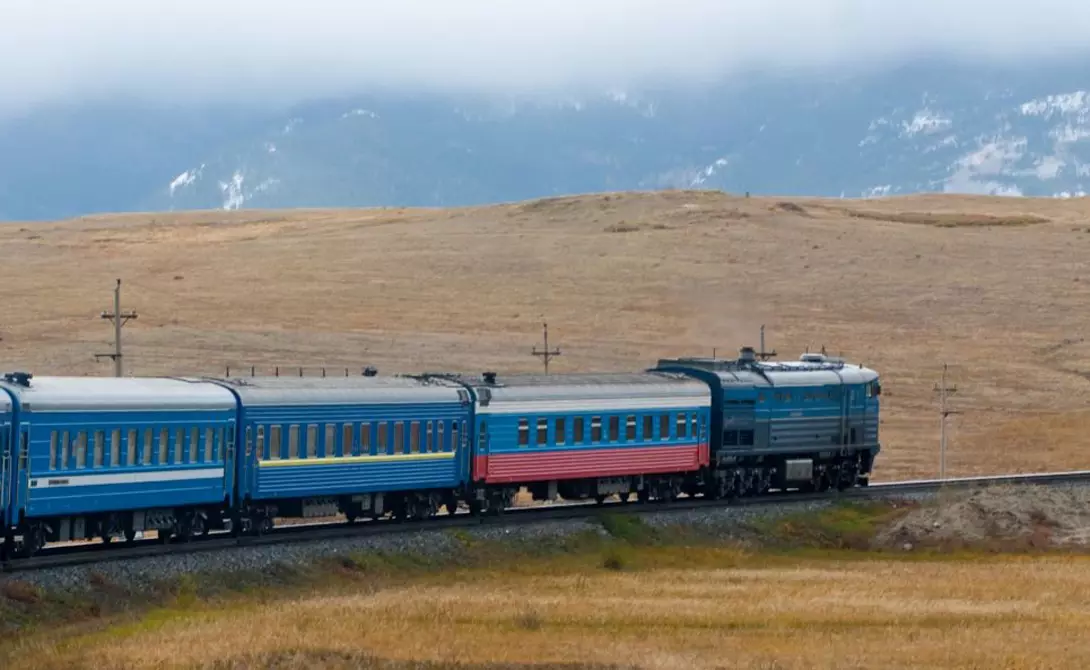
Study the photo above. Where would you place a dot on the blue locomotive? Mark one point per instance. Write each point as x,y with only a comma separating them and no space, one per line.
84,458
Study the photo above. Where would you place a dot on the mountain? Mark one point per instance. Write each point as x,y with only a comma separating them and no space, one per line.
929,126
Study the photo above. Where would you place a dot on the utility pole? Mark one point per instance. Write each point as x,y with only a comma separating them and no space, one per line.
762,354
943,391
119,320
546,354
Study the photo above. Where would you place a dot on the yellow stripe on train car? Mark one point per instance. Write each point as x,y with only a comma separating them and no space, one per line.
347,460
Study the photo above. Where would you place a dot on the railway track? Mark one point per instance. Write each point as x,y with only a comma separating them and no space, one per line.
85,554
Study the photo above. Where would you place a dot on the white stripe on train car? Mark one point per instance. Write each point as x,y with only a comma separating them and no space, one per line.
498,406
69,481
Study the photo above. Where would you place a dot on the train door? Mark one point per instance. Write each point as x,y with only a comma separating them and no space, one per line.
19,483
229,474
856,415
5,468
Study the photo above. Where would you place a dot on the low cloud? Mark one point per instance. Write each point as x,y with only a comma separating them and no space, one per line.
223,50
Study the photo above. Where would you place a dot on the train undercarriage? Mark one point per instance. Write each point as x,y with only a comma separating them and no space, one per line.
729,477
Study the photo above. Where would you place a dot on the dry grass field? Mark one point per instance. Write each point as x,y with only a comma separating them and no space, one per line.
691,608
996,287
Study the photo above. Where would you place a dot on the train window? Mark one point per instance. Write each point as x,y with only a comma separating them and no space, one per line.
131,447
439,446
664,426
560,431
53,450
482,435
414,437
381,443
259,446
208,441
577,430
648,427
330,440
220,452
454,435
100,446
81,449
64,457
614,428
365,438
293,441
179,445
312,440
115,447
146,445
745,437
399,437
275,443
524,432
348,440
595,429
542,432
429,437
194,443
681,425
692,426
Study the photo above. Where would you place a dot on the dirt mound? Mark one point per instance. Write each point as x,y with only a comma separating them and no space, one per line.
999,517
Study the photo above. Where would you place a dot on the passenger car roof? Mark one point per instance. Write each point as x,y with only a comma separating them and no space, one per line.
119,393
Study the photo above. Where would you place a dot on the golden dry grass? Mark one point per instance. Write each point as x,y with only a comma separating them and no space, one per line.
996,287
724,610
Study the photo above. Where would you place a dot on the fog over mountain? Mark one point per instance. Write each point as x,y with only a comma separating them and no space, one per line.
122,105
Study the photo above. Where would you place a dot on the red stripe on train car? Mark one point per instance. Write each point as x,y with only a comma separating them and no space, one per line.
529,466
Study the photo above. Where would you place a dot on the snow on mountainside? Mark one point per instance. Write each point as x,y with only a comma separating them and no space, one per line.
822,142
1031,147
930,126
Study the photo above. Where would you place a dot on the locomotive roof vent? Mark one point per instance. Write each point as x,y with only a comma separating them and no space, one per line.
813,358
747,355
18,378
489,377
369,371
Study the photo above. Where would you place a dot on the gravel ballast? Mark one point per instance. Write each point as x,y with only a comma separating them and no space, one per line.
726,522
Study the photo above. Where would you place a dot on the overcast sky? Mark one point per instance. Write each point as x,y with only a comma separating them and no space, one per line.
224,49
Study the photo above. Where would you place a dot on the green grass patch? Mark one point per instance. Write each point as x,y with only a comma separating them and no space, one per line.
843,525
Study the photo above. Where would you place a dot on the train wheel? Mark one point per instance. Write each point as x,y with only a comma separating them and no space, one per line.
599,500
198,527
33,542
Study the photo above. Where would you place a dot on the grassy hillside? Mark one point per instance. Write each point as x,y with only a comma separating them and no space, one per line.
995,287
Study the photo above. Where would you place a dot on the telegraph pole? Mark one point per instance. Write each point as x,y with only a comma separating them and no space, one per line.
546,354
762,354
119,318
943,390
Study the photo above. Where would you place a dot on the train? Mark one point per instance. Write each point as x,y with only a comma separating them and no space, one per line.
83,458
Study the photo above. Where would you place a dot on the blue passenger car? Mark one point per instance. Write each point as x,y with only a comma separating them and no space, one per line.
809,424
363,446
589,435
103,457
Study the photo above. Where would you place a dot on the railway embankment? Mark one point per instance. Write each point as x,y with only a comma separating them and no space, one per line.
1004,518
